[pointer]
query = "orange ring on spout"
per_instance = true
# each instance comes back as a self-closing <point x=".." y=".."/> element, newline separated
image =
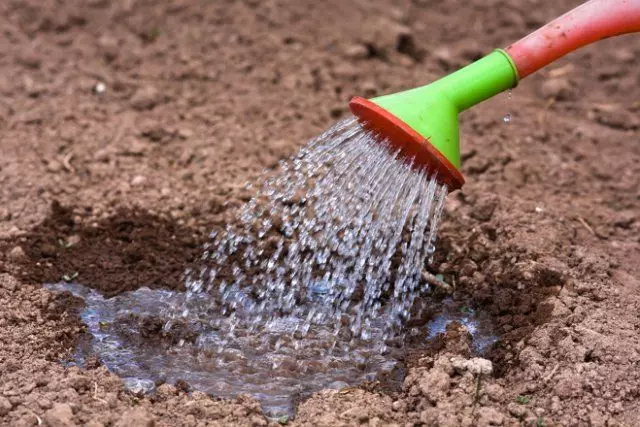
<point x="413" y="147"/>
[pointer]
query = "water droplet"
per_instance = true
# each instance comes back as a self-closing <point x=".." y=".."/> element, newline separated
<point x="100" y="88"/>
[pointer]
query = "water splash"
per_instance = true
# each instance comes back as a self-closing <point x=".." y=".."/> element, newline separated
<point x="312" y="283"/>
<point x="477" y="324"/>
<point x="126" y="334"/>
<point x="346" y="222"/>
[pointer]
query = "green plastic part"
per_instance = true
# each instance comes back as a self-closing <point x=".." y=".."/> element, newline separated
<point x="432" y="110"/>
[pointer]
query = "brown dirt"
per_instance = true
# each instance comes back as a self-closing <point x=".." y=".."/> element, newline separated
<point x="200" y="96"/>
<point x="121" y="253"/>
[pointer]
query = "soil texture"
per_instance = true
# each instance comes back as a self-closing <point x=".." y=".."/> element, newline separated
<point x="121" y="253"/>
<point x="129" y="127"/>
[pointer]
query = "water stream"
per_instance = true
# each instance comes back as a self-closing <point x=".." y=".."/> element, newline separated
<point x="346" y="222"/>
<point x="309" y="288"/>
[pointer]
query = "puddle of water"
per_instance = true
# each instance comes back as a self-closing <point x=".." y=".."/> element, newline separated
<point x="310" y="289"/>
<point x="273" y="365"/>
<point x="276" y="365"/>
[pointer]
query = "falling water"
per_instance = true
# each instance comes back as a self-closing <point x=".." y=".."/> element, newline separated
<point x="347" y="222"/>
<point x="309" y="288"/>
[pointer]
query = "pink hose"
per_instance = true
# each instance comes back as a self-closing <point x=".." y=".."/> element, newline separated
<point x="590" y="22"/>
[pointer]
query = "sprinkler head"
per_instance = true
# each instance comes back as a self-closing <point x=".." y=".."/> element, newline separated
<point x="412" y="146"/>
<point x="422" y="123"/>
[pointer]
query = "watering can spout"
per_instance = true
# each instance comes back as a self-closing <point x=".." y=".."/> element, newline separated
<point x="422" y="123"/>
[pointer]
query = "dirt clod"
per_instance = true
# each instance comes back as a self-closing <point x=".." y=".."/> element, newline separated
<point x="60" y="415"/>
<point x="476" y="365"/>
<point x="146" y="98"/>
<point x="16" y="254"/>
<point x="136" y="418"/>
<point x="5" y="406"/>
<point x="558" y="88"/>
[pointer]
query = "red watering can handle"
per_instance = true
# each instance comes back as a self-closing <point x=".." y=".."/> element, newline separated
<point x="587" y="23"/>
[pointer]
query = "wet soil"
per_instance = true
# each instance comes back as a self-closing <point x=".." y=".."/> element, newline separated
<point x="124" y="252"/>
<point x="200" y="96"/>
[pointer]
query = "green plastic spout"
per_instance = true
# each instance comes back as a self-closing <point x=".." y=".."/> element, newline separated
<point x="432" y="110"/>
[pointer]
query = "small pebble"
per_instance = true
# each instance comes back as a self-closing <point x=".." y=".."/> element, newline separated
<point x="356" y="51"/>
<point x="624" y="55"/>
<point x="185" y="133"/>
<point x="54" y="166"/>
<point x="101" y="155"/>
<point x="48" y="250"/>
<point x="109" y="47"/>
<point x="146" y="98"/>
<point x="445" y="57"/>
<point x="138" y="180"/>
<point x="16" y="254"/>
<point x="73" y="240"/>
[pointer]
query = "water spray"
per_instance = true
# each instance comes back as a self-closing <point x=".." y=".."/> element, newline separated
<point x="422" y="123"/>
<point x="313" y="284"/>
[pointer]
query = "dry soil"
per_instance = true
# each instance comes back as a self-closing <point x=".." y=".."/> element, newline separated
<point x="127" y="131"/>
